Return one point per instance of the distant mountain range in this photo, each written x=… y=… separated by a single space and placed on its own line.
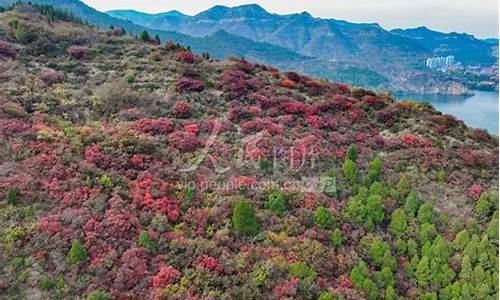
x=321 y=38
x=361 y=54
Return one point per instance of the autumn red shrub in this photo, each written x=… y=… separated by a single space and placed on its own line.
x=197 y=218
x=237 y=83
x=7 y=50
x=133 y=267
x=475 y=191
x=153 y=194
x=52 y=188
x=192 y=128
x=184 y=141
x=115 y=32
x=232 y=81
x=338 y=102
x=293 y=76
x=182 y=109
x=50 y=76
x=139 y=161
x=441 y=129
x=314 y=88
x=338 y=138
x=117 y=230
x=12 y=127
x=154 y=126
x=345 y=282
x=238 y=113
x=209 y=263
x=446 y=120
x=287 y=83
x=167 y=206
x=274 y=128
x=244 y=65
x=77 y=196
x=251 y=126
x=286 y=289
x=410 y=139
x=295 y=107
x=78 y=52
x=342 y=88
x=386 y=117
x=119 y=224
x=94 y=154
x=188 y=57
x=481 y=135
x=374 y=102
x=165 y=276
x=315 y=121
x=186 y=84
x=357 y=115
x=263 y=101
x=255 y=111
x=50 y=224
x=468 y=157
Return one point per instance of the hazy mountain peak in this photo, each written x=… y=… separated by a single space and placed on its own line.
x=221 y=11
x=133 y=12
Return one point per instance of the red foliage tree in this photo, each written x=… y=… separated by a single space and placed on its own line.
x=133 y=267
x=374 y=102
x=94 y=154
x=342 y=88
x=186 y=84
x=166 y=206
x=50 y=76
x=209 y=263
x=188 y=57
x=184 y=141
x=155 y=126
x=78 y=52
x=287 y=83
x=475 y=191
x=182 y=109
x=12 y=127
x=345 y=282
x=286 y=289
x=386 y=117
x=165 y=276
x=410 y=139
x=50 y=224
x=192 y=128
x=237 y=83
x=238 y=113
x=468 y=157
x=315 y=121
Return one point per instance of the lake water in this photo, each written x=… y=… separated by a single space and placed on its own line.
x=478 y=111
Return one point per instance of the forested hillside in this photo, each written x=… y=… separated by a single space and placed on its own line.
x=136 y=170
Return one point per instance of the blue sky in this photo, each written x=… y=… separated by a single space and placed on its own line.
x=444 y=15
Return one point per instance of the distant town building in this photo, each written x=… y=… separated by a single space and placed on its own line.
x=440 y=62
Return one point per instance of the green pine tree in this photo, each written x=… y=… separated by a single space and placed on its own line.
x=244 y=219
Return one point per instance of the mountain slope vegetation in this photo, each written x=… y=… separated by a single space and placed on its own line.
x=338 y=47
x=132 y=170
